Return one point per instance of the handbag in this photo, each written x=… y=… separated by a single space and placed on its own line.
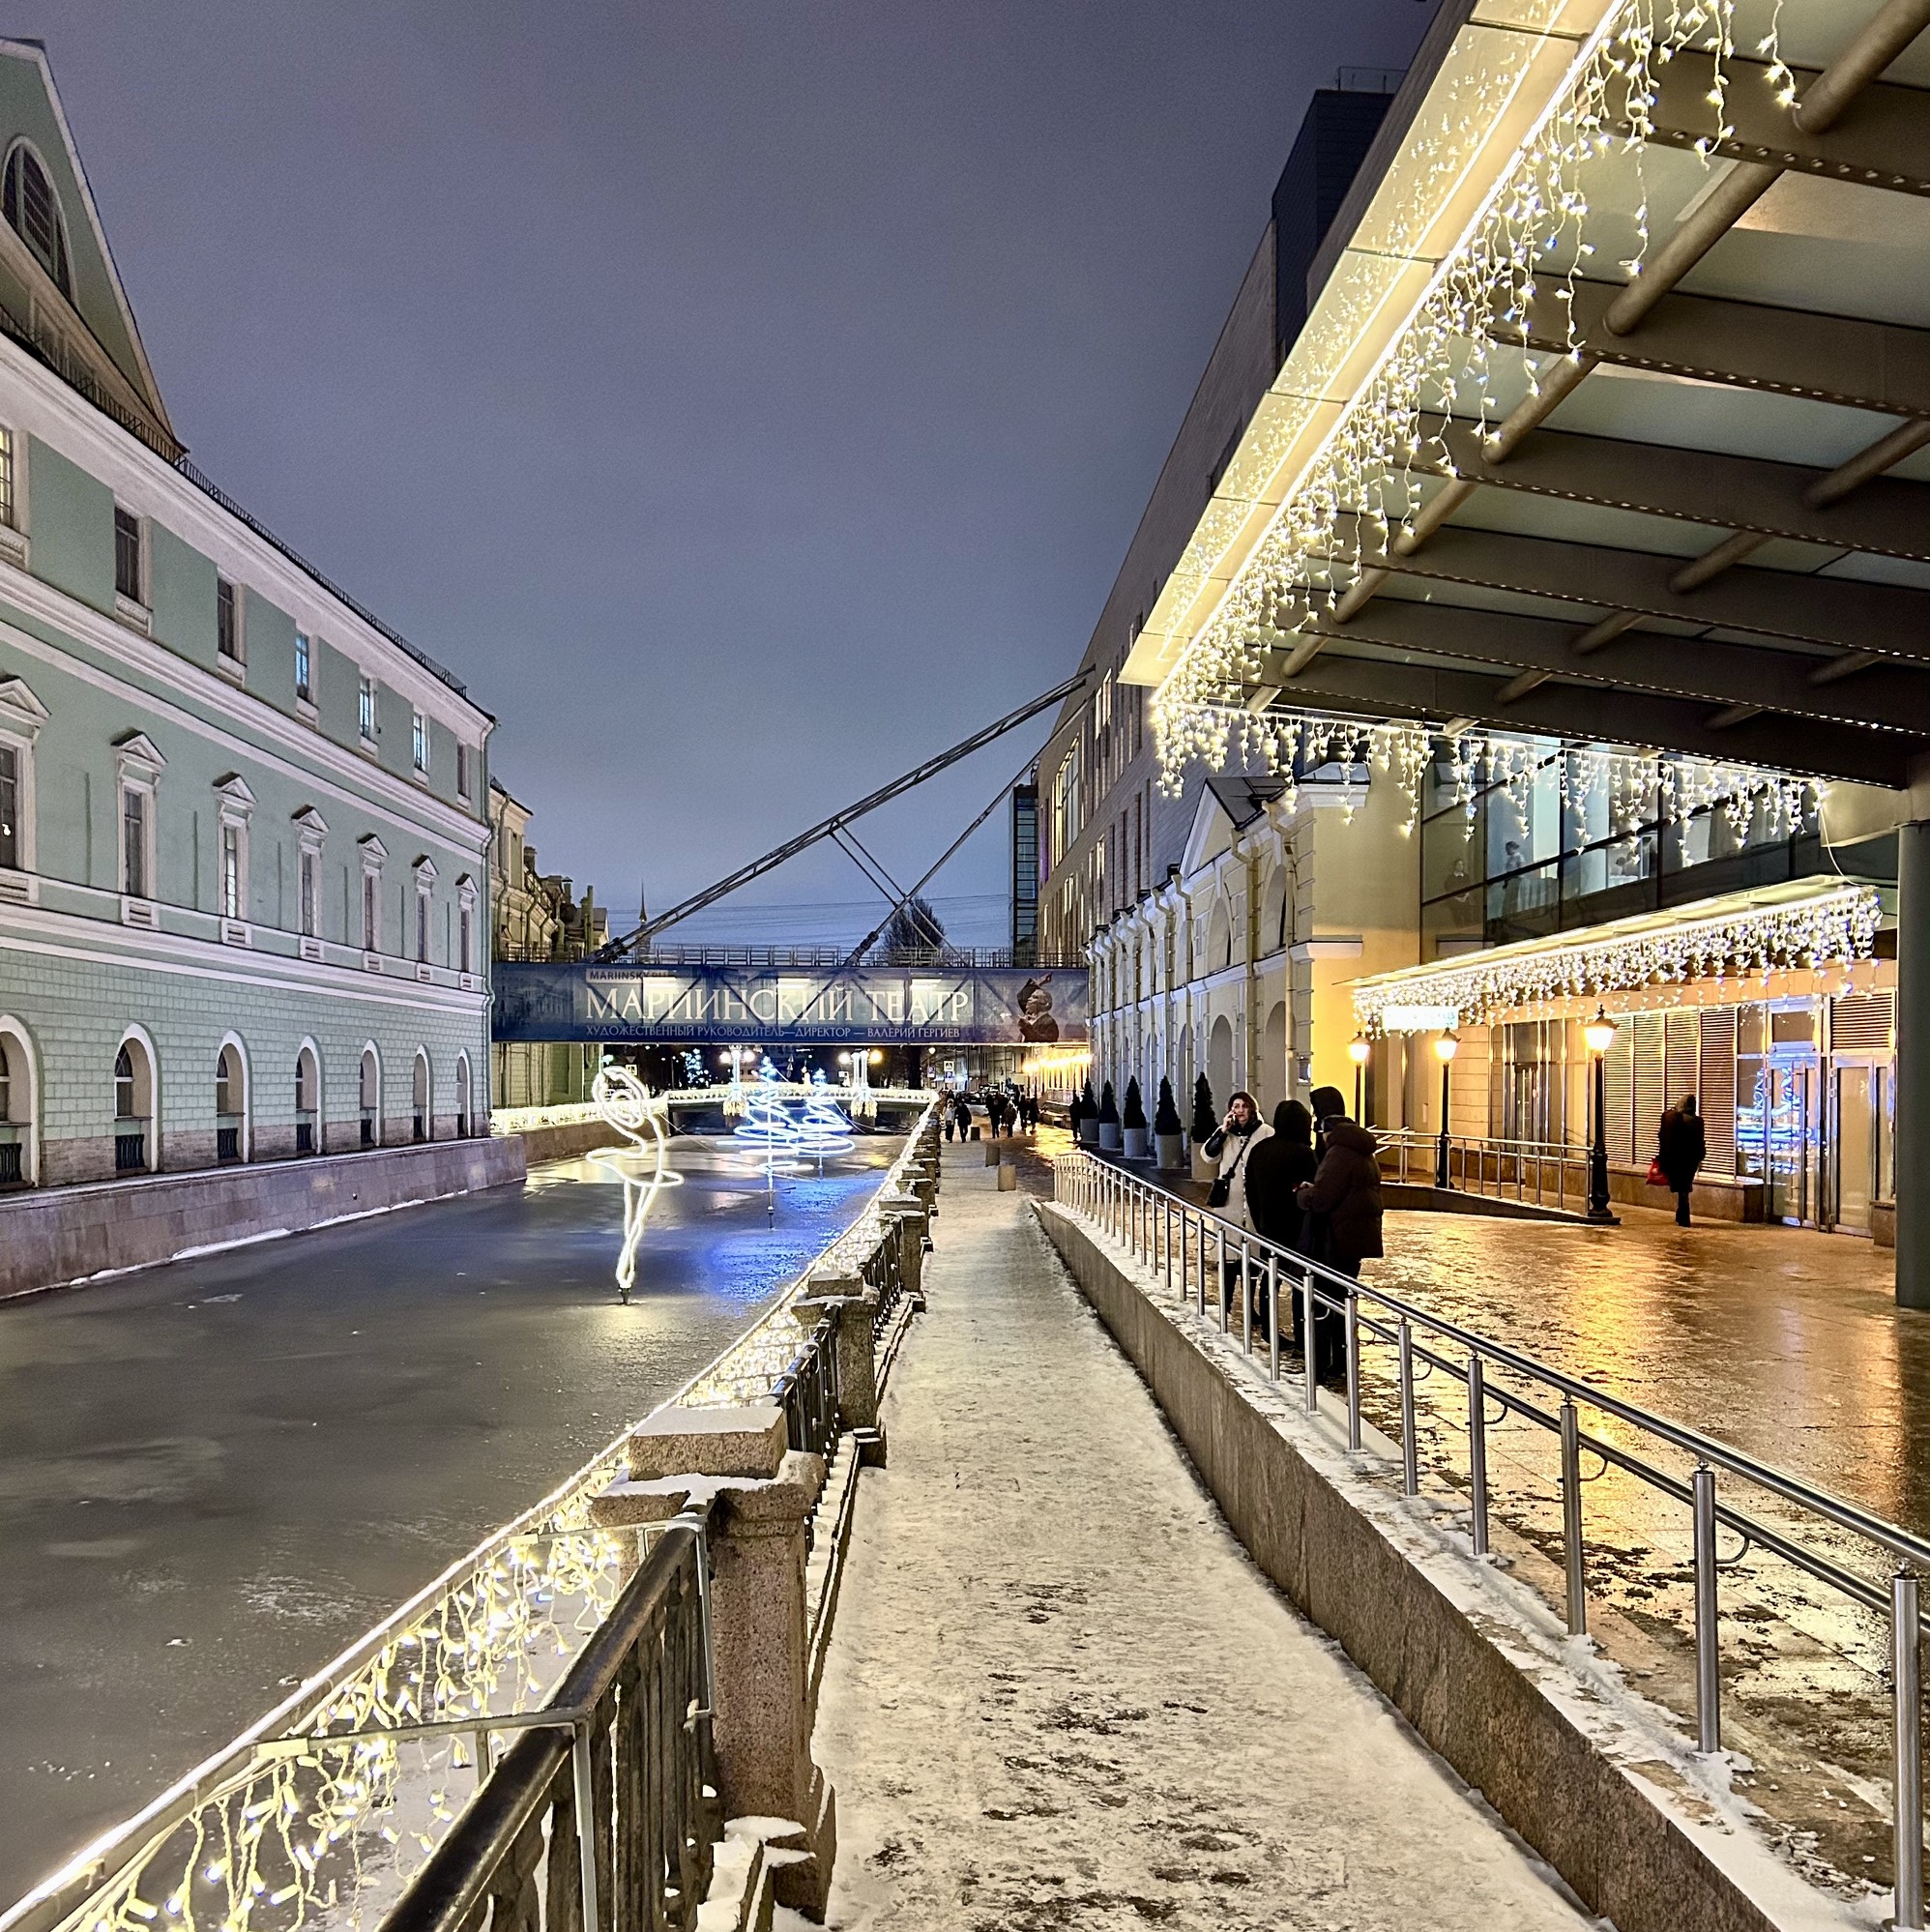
x=1221 y=1191
x=1656 y=1177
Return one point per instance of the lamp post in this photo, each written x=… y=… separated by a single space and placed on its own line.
x=1599 y=1033
x=1446 y=1047
x=1358 y=1049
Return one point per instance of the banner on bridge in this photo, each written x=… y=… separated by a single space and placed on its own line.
x=666 y=1006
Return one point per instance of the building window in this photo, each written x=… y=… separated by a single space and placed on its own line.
x=371 y=911
x=465 y=937
x=8 y=509
x=422 y=927
x=33 y=213
x=365 y=710
x=303 y=689
x=311 y=868
x=128 y=554
x=10 y=809
x=230 y=1104
x=228 y=622
x=134 y=841
x=462 y=770
x=231 y=870
x=419 y=742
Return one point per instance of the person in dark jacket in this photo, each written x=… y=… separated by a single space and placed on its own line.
x=1682 y=1146
x=1275 y=1172
x=1343 y=1208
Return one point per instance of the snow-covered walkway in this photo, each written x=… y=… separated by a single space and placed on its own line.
x=1060 y=1695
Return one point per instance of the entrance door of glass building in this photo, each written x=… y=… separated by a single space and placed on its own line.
x=1783 y=1133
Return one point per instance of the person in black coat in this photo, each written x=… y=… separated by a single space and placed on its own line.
x=1275 y=1172
x=1343 y=1213
x=1682 y=1146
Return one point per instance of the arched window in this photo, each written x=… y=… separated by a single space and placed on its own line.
x=372 y=1087
x=420 y=1118
x=230 y=1102
x=134 y=1106
x=33 y=213
x=308 y=1100
x=462 y=1097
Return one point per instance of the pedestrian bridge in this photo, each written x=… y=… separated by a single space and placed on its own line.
x=770 y=998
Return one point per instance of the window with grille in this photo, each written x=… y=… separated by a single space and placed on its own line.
x=303 y=689
x=365 y=708
x=33 y=213
x=9 y=805
x=128 y=554
x=133 y=842
x=231 y=872
x=124 y=1086
x=7 y=505
x=419 y=742
x=228 y=622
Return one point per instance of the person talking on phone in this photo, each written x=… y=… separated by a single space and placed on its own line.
x=1239 y=1134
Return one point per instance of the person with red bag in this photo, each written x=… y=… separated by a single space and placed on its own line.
x=1682 y=1146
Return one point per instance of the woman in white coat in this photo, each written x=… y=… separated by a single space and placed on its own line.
x=1240 y=1133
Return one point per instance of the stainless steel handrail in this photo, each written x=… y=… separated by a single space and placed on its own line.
x=1160 y=1229
x=1521 y=1168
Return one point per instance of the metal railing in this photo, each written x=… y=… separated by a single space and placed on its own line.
x=611 y=1787
x=830 y=959
x=1185 y=1247
x=808 y=1393
x=1549 y=1173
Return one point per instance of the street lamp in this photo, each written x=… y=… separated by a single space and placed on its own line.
x=1599 y=1033
x=1358 y=1048
x=1446 y=1047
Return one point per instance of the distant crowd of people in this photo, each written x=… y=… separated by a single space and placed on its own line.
x=1006 y=1110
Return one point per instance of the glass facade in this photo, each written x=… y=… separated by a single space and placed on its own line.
x=1564 y=839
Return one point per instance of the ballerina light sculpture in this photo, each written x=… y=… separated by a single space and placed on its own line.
x=643 y=1165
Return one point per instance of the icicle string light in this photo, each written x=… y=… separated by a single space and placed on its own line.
x=1389 y=448
x=1838 y=927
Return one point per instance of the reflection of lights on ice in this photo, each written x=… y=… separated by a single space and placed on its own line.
x=643 y=1166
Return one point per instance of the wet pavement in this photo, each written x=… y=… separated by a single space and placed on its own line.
x=214 y=1475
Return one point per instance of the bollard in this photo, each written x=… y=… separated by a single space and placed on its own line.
x=1572 y=1519
x=1478 y=1450
x=1907 y=1665
x=1707 y=1656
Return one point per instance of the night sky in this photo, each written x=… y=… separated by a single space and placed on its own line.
x=745 y=400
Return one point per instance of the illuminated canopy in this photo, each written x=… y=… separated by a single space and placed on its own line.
x=1610 y=421
x=1781 y=926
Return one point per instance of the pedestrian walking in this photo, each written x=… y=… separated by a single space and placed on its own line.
x=1239 y=1134
x=1343 y=1209
x=1276 y=1171
x=1682 y=1146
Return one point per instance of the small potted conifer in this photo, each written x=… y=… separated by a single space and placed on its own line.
x=1132 y=1122
x=1169 y=1143
x=1205 y=1126
x=1089 y=1117
x=1109 y=1134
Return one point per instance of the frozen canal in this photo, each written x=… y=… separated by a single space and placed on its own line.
x=214 y=1475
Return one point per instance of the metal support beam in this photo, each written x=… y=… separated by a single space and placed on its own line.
x=1885 y=143
x=1885 y=453
x=1364 y=688
x=1712 y=564
x=1605 y=631
x=1882 y=366
x=1888 y=516
x=1740 y=190
x=1891 y=696
x=1838 y=613
x=1881 y=41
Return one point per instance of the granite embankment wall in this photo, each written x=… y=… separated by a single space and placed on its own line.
x=56 y=1235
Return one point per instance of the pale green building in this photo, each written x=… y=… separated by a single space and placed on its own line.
x=242 y=825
